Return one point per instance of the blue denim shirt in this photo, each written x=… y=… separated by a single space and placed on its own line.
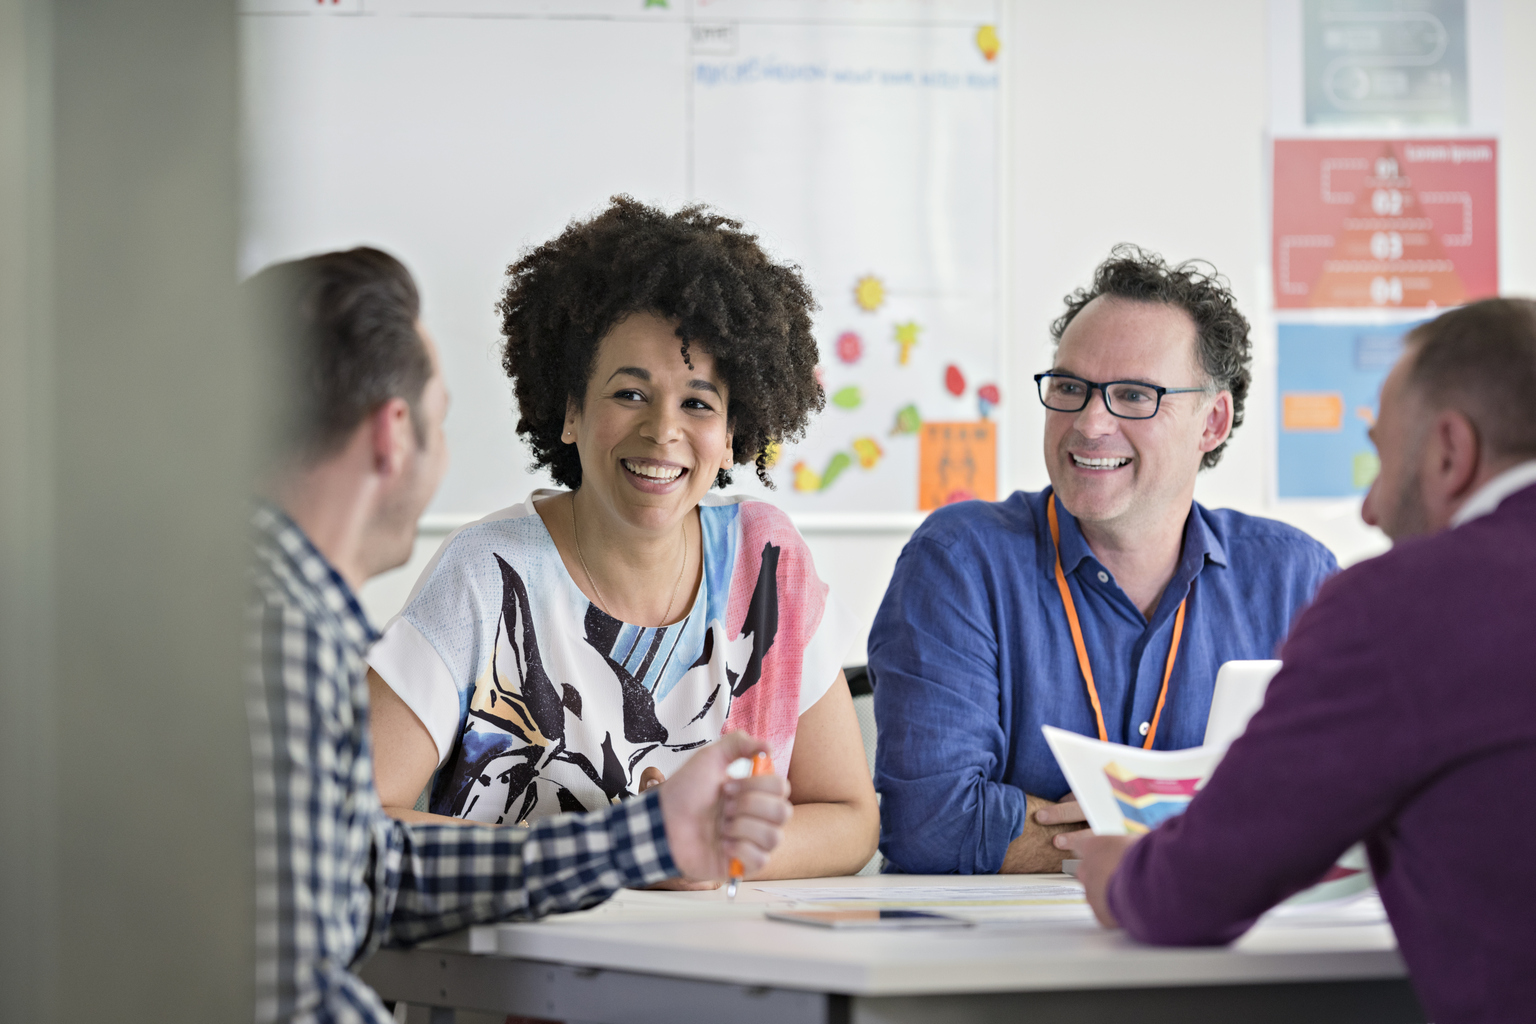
x=971 y=654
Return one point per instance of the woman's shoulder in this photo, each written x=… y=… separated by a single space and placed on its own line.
x=514 y=534
x=760 y=521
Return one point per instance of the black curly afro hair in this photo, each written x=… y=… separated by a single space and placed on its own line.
x=695 y=268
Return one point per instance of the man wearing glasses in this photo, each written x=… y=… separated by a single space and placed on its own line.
x=1103 y=604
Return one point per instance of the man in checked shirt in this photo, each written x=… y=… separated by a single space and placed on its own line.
x=361 y=452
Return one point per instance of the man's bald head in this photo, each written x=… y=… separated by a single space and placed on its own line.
x=1481 y=361
x=1456 y=411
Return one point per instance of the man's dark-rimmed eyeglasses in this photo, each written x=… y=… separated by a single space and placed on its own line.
x=1127 y=399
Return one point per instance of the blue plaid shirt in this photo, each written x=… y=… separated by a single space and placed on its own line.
x=337 y=877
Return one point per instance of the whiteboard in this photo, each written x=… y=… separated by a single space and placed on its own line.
x=859 y=140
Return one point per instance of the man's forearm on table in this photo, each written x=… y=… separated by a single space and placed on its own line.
x=1034 y=850
x=454 y=876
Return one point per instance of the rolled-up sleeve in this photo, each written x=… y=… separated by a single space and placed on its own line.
x=943 y=751
x=446 y=877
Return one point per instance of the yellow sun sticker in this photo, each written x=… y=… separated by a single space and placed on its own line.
x=869 y=293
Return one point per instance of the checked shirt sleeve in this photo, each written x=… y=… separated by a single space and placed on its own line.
x=450 y=876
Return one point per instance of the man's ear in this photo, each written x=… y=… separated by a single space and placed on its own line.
x=1452 y=458
x=393 y=436
x=1218 y=422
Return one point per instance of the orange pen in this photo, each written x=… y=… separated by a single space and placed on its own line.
x=762 y=764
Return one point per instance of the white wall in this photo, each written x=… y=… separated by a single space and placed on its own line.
x=1144 y=121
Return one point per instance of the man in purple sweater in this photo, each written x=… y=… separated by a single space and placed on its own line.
x=1405 y=714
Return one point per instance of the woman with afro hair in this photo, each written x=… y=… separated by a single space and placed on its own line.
x=570 y=651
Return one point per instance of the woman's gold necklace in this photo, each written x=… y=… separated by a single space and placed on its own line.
x=601 y=600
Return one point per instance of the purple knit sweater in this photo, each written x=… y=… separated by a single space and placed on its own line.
x=1405 y=716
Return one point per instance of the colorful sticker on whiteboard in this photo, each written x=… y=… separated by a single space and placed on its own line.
x=908 y=419
x=987 y=399
x=869 y=293
x=906 y=337
x=807 y=480
x=954 y=380
x=987 y=42
x=956 y=462
x=868 y=452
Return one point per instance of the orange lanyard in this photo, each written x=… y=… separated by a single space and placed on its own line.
x=1082 y=650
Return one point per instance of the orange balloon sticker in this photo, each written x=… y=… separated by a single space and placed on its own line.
x=954 y=380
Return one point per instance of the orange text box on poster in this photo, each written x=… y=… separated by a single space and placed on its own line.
x=1312 y=410
x=1383 y=223
x=956 y=462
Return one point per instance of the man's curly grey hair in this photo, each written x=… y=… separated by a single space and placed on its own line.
x=1222 y=343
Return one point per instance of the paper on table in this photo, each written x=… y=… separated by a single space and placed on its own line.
x=1127 y=790
x=1360 y=908
x=983 y=905
x=932 y=895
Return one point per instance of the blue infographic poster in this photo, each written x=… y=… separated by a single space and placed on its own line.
x=1330 y=383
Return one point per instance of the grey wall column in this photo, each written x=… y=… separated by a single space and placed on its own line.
x=28 y=840
x=127 y=405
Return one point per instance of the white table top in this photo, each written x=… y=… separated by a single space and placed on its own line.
x=700 y=935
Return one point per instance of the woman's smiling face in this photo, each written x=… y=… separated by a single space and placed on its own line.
x=652 y=432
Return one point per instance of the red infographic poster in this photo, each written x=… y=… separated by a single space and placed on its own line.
x=1384 y=222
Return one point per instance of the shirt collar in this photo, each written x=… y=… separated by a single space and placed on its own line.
x=282 y=539
x=1200 y=544
x=1492 y=494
